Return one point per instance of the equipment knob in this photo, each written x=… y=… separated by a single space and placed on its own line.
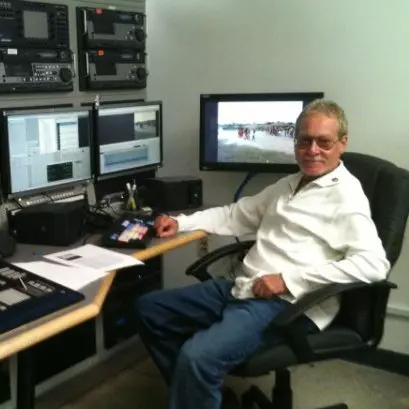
x=140 y=73
x=140 y=35
x=65 y=74
x=63 y=55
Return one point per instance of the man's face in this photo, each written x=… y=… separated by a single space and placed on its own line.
x=317 y=146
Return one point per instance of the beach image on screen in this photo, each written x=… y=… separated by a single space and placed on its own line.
x=257 y=131
x=145 y=125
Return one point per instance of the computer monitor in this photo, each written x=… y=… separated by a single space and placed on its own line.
x=44 y=150
x=128 y=139
x=250 y=132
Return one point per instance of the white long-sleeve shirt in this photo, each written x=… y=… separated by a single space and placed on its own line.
x=322 y=234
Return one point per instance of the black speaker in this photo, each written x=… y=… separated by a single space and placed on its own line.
x=174 y=193
x=57 y=224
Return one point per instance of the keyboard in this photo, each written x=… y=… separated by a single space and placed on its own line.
x=134 y=232
x=25 y=297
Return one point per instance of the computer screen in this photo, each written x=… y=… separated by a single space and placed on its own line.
x=250 y=132
x=45 y=149
x=128 y=138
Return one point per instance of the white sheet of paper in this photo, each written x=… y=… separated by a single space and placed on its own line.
x=94 y=257
x=71 y=277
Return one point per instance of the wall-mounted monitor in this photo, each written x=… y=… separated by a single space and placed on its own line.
x=44 y=149
x=128 y=138
x=250 y=132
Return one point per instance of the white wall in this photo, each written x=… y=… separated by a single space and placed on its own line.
x=356 y=52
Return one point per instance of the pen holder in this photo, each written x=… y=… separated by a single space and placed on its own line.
x=131 y=202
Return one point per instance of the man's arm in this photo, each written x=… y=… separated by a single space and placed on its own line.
x=353 y=234
x=236 y=219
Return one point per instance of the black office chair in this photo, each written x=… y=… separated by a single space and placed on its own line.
x=360 y=321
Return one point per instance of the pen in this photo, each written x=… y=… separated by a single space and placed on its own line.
x=22 y=283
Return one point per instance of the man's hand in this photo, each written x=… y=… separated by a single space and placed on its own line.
x=165 y=226
x=269 y=285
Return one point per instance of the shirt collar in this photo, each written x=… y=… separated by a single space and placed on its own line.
x=329 y=179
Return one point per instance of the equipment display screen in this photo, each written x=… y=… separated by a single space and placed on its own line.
x=48 y=149
x=35 y=24
x=129 y=137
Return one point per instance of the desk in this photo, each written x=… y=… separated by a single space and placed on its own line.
x=22 y=338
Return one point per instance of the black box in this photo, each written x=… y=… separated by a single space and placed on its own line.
x=174 y=193
x=57 y=224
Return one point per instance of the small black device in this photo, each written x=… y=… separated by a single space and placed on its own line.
x=174 y=193
x=129 y=232
x=24 y=296
x=104 y=28
x=35 y=70
x=33 y=24
x=44 y=150
x=250 y=132
x=112 y=69
x=56 y=224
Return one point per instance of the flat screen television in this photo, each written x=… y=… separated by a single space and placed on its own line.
x=250 y=132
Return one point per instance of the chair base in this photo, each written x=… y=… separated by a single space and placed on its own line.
x=255 y=398
x=282 y=396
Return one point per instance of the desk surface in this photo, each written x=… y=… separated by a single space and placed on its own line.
x=41 y=329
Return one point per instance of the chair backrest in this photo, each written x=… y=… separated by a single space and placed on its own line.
x=387 y=189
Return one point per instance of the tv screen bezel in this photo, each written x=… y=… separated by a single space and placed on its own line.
x=96 y=148
x=206 y=165
x=5 y=165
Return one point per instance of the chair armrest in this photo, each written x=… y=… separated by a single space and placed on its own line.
x=199 y=267
x=296 y=338
x=295 y=310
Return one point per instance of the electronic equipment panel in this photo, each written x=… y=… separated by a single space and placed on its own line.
x=250 y=132
x=130 y=231
x=112 y=69
x=25 y=297
x=32 y=24
x=103 y=28
x=35 y=70
x=44 y=150
x=128 y=138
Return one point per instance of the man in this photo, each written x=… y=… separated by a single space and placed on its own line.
x=312 y=228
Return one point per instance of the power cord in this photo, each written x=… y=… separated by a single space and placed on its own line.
x=49 y=197
x=233 y=260
x=246 y=180
x=97 y=218
x=18 y=203
x=242 y=185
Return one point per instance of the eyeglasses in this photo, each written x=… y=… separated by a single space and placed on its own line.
x=304 y=142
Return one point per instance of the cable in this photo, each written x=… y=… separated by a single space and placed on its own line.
x=48 y=196
x=113 y=210
x=242 y=185
x=246 y=180
x=18 y=203
x=86 y=238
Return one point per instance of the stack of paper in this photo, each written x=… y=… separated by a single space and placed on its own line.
x=76 y=268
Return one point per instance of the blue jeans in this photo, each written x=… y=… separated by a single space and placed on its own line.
x=197 y=334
